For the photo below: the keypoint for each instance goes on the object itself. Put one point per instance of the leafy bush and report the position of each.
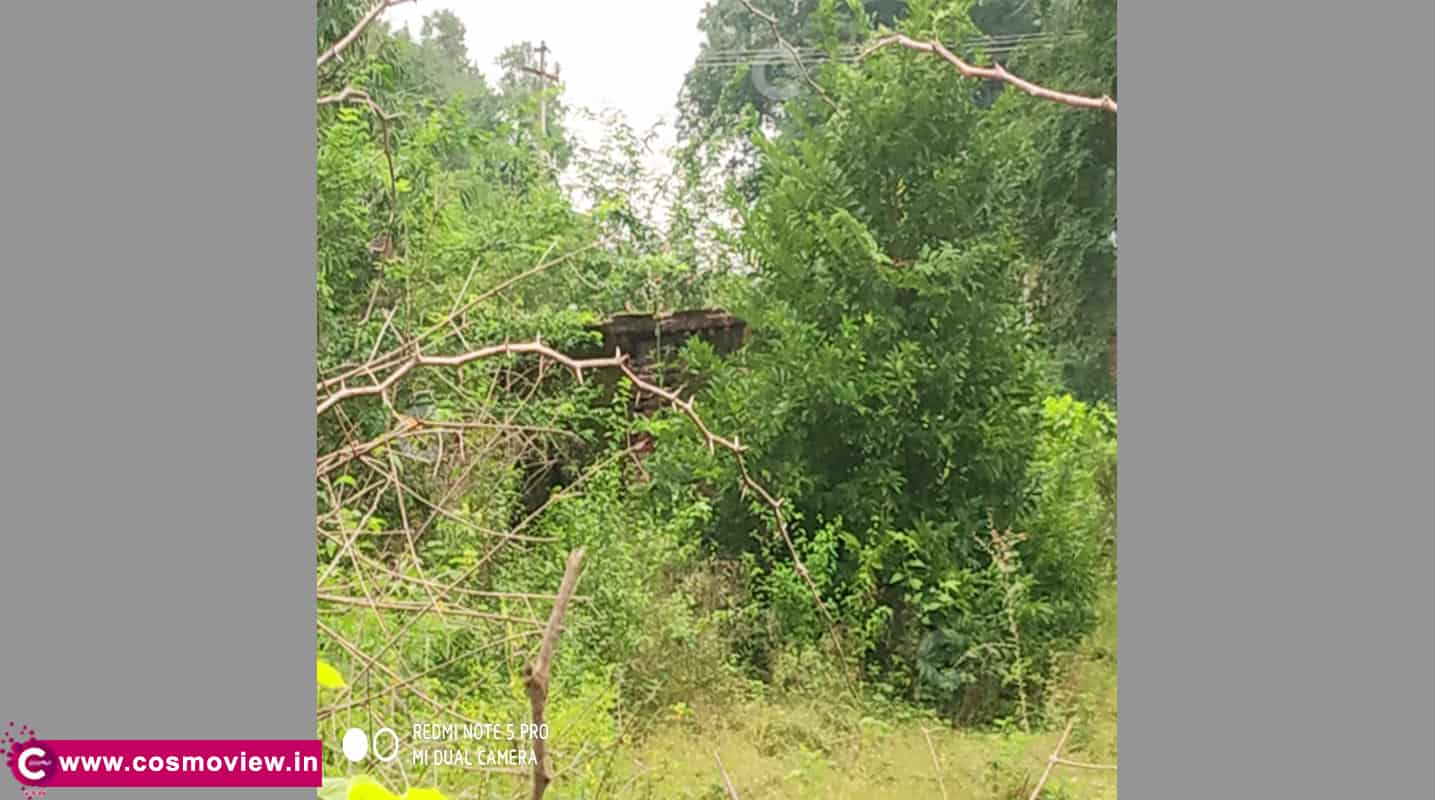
(895, 390)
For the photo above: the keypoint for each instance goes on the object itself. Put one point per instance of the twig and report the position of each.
(726, 779)
(621, 362)
(995, 72)
(349, 37)
(371, 661)
(403, 367)
(792, 51)
(536, 674)
(329, 711)
(395, 605)
(1082, 764)
(393, 356)
(1051, 761)
(360, 97)
(478, 563)
(357, 97)
(935, 762)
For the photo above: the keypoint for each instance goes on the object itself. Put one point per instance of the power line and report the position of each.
(778, 59)
(1004, 39)
(1002, 45)
(784, 58)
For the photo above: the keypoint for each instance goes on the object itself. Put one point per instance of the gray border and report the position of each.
(1275, 435)
(157, 354)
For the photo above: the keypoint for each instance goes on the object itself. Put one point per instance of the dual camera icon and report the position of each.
(357, 745)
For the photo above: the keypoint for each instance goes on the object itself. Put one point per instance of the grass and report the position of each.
(820, 748)
(810, 744)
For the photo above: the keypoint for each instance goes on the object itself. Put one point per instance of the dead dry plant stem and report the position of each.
(1082, 764)
(1055, 759)
(619, 361)
(936, 762)
(394, 605)
(1051, 761)
(994, 72)
(396, 356)
(537, 674)
(726, 779)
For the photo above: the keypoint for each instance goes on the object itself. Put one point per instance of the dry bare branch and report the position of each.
(372, 661)
(467, 655)
(619, 361)
(356, 97)
(536, 675)
(403, 367)
(1082, 764)
(396, 355)
(348, 39)
(395, 605)
(726, 779)
(480, 562)
(994, 72)
(936, 763)
(791, 51)
(1051, 761)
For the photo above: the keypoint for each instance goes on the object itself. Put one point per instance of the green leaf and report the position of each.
(329, 678)
(424, 794)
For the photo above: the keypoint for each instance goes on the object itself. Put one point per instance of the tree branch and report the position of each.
(536, 674)
(617, 361)
(362, 98)
(792, 51)
(357, 97)
(936, 762)
(726, 779)
(1051, 761)
(402, 368)
(349, 37)
(995, 72)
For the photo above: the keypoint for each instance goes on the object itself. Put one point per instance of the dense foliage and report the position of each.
(926, 268)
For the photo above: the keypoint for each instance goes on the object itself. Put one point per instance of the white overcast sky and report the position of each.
(629, 55)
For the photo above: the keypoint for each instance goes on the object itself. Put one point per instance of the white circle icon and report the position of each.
(356, 744)
(394, 752)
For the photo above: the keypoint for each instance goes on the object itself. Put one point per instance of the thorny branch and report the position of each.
(994, 72)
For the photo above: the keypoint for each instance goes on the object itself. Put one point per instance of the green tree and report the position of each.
(1067, 197)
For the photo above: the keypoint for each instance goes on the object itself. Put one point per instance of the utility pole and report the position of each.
(543, 74)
